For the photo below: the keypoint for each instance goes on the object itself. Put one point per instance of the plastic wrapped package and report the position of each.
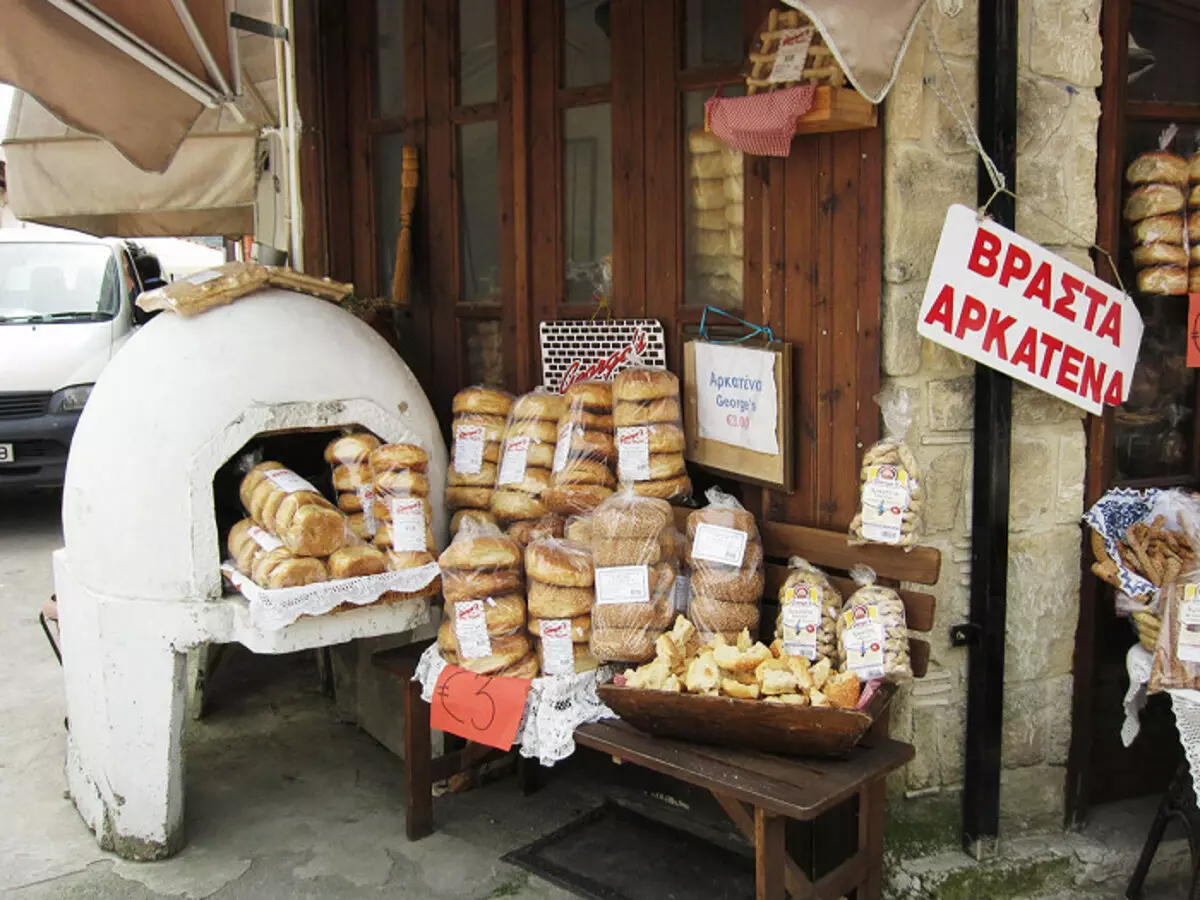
(401, 487)
(479, 516)
(579, 529)
(892, 499)
(258, 554)
(649, 429)
(349, 456)
(809, 608)
(585, 452)
(527, 456)
(872, 632)
(1176, 663)
(559, 579)
(1156, 209)
(725, 562)
(205, 290)
(526, 531)
(480, 414)
(290, 508)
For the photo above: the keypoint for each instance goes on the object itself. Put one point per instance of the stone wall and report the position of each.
(929, 165)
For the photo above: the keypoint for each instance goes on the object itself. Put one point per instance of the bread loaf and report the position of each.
(356, 561)
(1153, 200)
(281, 568)
(487, 401)
(1158, 167)
(289, 507)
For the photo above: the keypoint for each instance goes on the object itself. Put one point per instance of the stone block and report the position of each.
(901, 343)
(904, 117)
(1066, 40)
(949, 136)
(1056, 738)
(1034, 407)
(1042, 183)
(951, 403)
(1024, 715)
(1041, 113)
(1072, 473)
(924, 770)
(944, 476)
(918, 188)
(1031, 493)
(1032, 799)
(1081, 188)
(952, 736)
(1043, 604)
(937, 359)
(958, 34)
(1081, 257)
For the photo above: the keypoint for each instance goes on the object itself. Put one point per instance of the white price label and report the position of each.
(801, 620)
(720, 545)
(633, 453)
(264, 538)
(1187, 647)
(562, 449)
(862, 641)
(408, 524)
(470, 630)
(558, 650)
(468, 449)
(792, 54)
(512, 466)
(288, 481)
(366, 499)
(623, 584)
(885, 496)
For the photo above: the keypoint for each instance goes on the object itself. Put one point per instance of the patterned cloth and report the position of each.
(1112, 516)
(762, 124)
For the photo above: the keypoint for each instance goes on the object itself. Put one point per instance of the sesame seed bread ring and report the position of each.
(638, 384)
(666, 489)
(468, 498)
(579, 529)
(527, 531)
(623, 644)
(478, 516)
(661, 580)
(665, 409)
(666, 465)
(506, 651)
(485, 477)
(584, 661)
(573, 499)
(483, 552)
(581, 628)
(477, 585)
(402, 482)
(356, 561)
(740, 586)
(709, 613)
(629, 552)
(591, 395)
(544, 431)
(511, 506)
(347, 477)
(560, 563)
(351, 448)
(493, 426)
(546, 601)
(631, 517)
(666, 438)
(737, 519)
(588, 471)
(394, 457)
(487, 401)
(504, 615)
(539, 405)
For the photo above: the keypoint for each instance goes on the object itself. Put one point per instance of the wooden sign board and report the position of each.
(774, 470)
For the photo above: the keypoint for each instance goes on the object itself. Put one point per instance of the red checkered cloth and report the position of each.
(762, 124)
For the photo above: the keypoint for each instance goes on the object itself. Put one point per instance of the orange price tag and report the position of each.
(481, 708)
(1193, 333)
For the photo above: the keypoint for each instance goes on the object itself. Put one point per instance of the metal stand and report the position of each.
(1179, 802)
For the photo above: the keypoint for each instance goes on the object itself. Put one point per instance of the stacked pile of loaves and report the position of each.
(527, 456)
(559, 578)
(405, 517)
(1156, 210)
(715, 232)
(649, 424)
(725, 560)
(1193, 223)
(480, 414)
(585, 455)
(350, 458)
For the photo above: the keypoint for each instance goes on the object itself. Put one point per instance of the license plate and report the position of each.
(6, 454)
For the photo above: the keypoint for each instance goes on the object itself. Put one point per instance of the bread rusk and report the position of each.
(638, 384)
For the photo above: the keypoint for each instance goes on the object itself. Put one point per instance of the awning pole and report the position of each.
(201, 46)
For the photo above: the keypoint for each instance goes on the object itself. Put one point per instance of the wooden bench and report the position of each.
(758, 791)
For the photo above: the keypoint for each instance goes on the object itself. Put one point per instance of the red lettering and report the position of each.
(1016, 264)
(1068, 368)
(997, 333)
(974, 315)
(1111, 326)
(1026, 354)
(1096, 299)
(1039, 285)
(1052, 345)
(1115, 394)
(1093, 378)
(942, 311)
(1064, 305)
(985, 255)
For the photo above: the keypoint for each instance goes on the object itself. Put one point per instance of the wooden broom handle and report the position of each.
(409, 178)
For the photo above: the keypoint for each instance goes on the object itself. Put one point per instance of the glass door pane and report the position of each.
(712, 33)
(389, 58)
(587, 199)
(476, 52)
(479, 210)
(587, 42)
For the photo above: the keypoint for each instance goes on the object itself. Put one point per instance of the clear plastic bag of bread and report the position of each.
(205, 290)
(809, 608)
(725, 561)
(527, 456)
(400, 477)
(263, 558)
(872, 631)
(891, 496)
(1157, 210)
(484, 620)
(477, 432)
(582, 476)
(633, 550)
(1177, 653)
(291, 508)
(648, 418)
(349, 458)
(526, 531)
(559, 581)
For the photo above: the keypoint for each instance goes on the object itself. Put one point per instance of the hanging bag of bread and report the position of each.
(649, 430)
(892, 501)
(872, 631)
(1156, 212)
(263, 558)
(559, 579)
(403, 512)
(480, 414)
(1177, 652)
(289, 507)
(483, 626)
(527, 455)
(809, 607)
(349, 456)
(585, 453)
(633, 548)
(725, 560)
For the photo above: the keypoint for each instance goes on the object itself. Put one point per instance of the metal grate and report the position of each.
(23, 406)
(569, 341)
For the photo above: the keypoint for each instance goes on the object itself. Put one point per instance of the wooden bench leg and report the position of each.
(418, 776)
(529, 775)
(872, 801)
(770, 855)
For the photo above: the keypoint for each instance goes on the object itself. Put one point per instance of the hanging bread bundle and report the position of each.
(715, 226)
(401, 477)
(480, 415)
(725, 559)
(484, 624)
(585, 453)
(559, 581)
(289, 507)
(1156, 209)
(873, 632)
(649, 431)
(527, 456)
(349, 456)
(809, 608)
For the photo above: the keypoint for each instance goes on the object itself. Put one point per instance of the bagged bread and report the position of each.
(399, 474)
(649, 432)
(289, 507)
(582, 476)
(872, 632)
(1177, 652)
(725, 561)
(349, 456)
(527, 456)
(559, 578)
(892, 501)
(480, 414)
(1155, 208)
(262, 557)
(526, 531)
(809, 607)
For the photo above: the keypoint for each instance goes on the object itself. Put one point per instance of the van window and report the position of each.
(57, 282)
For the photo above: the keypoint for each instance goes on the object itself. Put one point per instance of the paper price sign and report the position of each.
(408, 524)
(720, 545)
(479, 708)
(736, 398)
(468, 449)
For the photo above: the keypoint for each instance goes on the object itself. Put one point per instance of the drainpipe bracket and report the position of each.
(967, 634)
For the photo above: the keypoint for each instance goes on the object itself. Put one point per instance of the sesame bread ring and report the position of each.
(402, 482)
(478, 584)
(539, 405)
(487, 401)
(511, 506)
(493, 426)
(523, 668)
(348, 476)
(652, 412)
(579, 529)
(468, 497)
(504, 615)
(581, 418)
(581, 627)
(661, 580)
(394, 457)
(478, 516)
(535, 481)
(737, 519)
(546, 601)
(741, 586)
(666, 438)
(349, 502)
(483, 552)
(629, 552)
(709, 613)
(506, 651)
(351, 448)
(583, 659)
(560, 563)
(586, 471)
(631, 517)
(666, 465)
(544, 431)
(639, 384)
(590, 395)
(573, 499)
(623, 644)
(485, 477)
(666, 489)
(529, 530)
(355, 561)
(598, 445)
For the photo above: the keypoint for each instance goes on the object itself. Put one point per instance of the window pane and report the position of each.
(587, 42)
(389, 58)
(712, 33)
(484, 351)
(1163, 62)
(587, 199)
(714, 249)
(387, 159)
(479, 209)
(476, 51)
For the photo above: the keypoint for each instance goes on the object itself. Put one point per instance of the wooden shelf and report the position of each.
(837, 109)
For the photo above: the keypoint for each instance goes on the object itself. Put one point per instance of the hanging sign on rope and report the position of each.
(1013, 305)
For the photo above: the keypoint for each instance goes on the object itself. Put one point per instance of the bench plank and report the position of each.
(831, 549)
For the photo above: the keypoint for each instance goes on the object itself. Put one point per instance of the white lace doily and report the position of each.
(1185, 704)
(279, 607)
(555, 707)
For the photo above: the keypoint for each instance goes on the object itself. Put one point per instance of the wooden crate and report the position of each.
(837, 109)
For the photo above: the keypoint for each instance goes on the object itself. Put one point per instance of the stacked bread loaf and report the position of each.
(350, 458)
(526, 531)
(559, 578)
(1155, 209)
(725, 559)
(402, 510)
(478, 516)
(649, 425)
(527, 456)
(290, 508)
(585, 454)
(1193, 223)
(715, 230)
(263, 558)
(484, 625)
(480, 414)
(633, 547)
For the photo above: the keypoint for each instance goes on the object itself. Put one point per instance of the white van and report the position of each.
(66, 306)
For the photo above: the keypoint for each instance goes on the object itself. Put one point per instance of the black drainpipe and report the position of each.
(993, 449)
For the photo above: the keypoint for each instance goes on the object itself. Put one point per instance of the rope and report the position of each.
(754, 331)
